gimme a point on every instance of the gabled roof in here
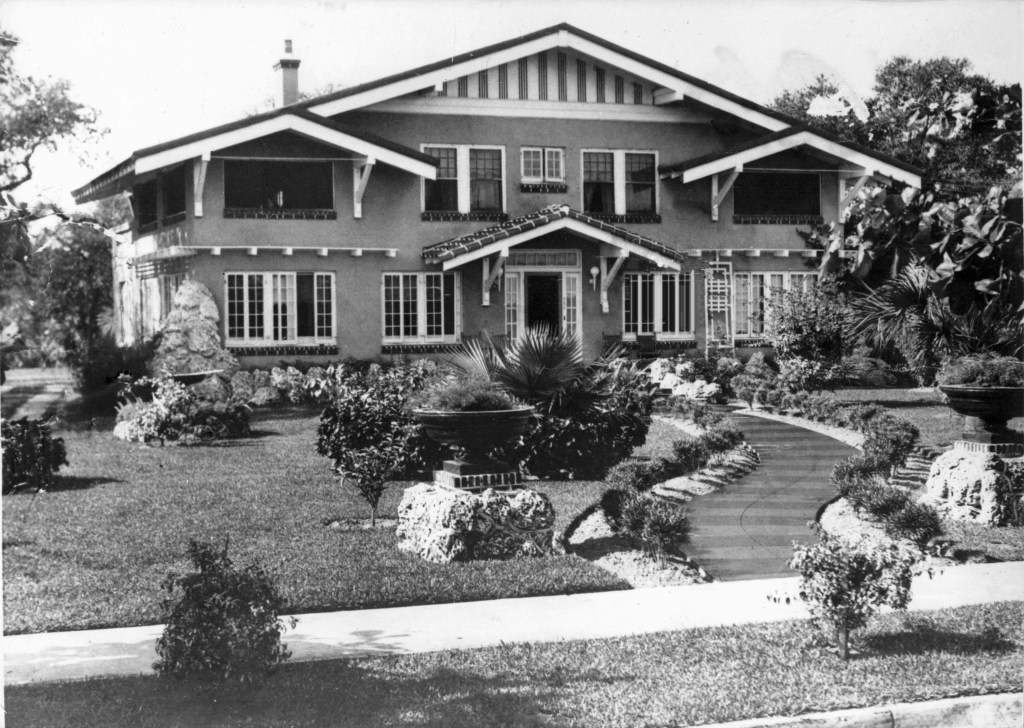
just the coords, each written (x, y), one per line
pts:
(874, 163)
(465, 248)
(290, 118)
(563, 35)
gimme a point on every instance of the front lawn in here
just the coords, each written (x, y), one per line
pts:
(671, 678)
(92, 552)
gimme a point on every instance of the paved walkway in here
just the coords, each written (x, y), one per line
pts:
(34, 393)
(746, 530)
(406, 630)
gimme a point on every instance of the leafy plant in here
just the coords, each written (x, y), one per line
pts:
(1003, 371)
(371, 467)
(31, 455)
(690, 454)
(646, 520)
(464, 395)
(807, 324)
(845, 585)
(222, 623)
(635, 475)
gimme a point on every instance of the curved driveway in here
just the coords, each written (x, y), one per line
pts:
(746, 530)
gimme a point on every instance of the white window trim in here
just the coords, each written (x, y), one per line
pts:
(544, 175)
(421, 308)
(660, 335)
(787, 285)
(619, 172)
(463, 181)
(268, 314)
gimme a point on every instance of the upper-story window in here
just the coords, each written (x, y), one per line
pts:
(543, 164)
(621, 184)
(470, 181)
(172, 186)
(270, 185)
(777, 194)
(144, 205)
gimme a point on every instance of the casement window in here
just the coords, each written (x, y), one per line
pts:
(421, 308)
(469, 179)
(620, 183)
(543, 164)
(777, 193)
(272, 185)
(657, 303)
(280, 307)
(755, 293)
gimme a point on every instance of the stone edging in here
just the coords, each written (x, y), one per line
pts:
(1003, 710)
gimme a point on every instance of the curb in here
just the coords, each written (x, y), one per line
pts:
(1005, 710)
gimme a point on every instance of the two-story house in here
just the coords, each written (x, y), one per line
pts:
(554, 178)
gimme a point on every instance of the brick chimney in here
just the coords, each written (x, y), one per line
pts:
(288, 71)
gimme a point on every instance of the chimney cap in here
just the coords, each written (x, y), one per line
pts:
(287, 45)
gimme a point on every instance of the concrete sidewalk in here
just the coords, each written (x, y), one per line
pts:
(405, 630)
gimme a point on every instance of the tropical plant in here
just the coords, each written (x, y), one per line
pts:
(222, 623)
(464, 395)
(31, 455)
(1002, 371)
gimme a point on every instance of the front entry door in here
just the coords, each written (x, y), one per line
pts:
(544, 300)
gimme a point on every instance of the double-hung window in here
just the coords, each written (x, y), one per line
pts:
(543, 164)
(620, 183)
(659, 304)
(469, 179)
(284, 308)
(421, 307)
(755, 293)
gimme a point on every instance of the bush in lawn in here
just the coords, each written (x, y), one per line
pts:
(918, 522)
(222, 623)
(649, 522)
(164, 417)
(845, 585)
(371, 467)
(31, 455)
(690, 454)
(370, 406)
(635, 475)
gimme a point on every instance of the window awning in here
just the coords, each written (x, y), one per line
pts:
(289, 119)
(864, 161)
(488, 241)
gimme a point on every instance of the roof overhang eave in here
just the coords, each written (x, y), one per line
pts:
(872, 166)
(451, 261)
(112, 182)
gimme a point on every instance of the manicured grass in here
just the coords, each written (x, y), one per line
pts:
(93, 551)
(675, 678)
(926, 408)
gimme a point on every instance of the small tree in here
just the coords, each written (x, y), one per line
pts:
(369, 468)
(844, 585)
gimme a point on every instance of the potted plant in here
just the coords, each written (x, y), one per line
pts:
(988, 392)
(474, 416)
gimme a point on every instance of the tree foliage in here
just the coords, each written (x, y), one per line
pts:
(822, 104)
(33, 115)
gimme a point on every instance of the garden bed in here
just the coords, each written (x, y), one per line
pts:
(92, 551)
(676, 678)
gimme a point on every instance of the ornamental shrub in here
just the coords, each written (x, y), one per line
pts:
(31, 455)
(1001, 371)
(638, 476)
(845, 585)
(690, 454)
(164, 417)
(744, 386)
(759, 370)
(721, 437)
(222, 623)
(890, 438)
(464, 395)
(807, 325)
(797, 373)
(611, 507)
(918, 522)
(652, 523)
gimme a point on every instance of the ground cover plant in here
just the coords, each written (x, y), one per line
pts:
(675, 678)
(94, 549)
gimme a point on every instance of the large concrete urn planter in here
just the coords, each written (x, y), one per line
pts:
(986, 411)
(475, 434)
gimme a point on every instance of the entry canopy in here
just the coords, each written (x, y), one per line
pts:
(296, 120)
(499, 238)
(851, 158)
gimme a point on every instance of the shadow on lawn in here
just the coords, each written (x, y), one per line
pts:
(75, 482)
(919, 639)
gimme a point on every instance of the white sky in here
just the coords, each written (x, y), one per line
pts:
(160, 69)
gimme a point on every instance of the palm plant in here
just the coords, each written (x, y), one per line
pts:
(905, 314)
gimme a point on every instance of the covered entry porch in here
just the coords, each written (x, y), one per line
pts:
(571, 272)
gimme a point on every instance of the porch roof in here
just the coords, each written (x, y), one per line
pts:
(487, 241)
(864, 159)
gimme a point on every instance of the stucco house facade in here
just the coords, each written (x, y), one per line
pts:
(555, 178)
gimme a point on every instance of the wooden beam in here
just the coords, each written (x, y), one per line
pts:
(199, 182)
(253, 251)
(718, 193)
(491, 274)
(322, 252)
(664, 96)
(287, 251)
(357, 253)
(780, 253)
(360, 177)
(607, 276)
(851, 192)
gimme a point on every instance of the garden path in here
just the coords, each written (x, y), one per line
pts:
(34, 393)
(746, 530)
